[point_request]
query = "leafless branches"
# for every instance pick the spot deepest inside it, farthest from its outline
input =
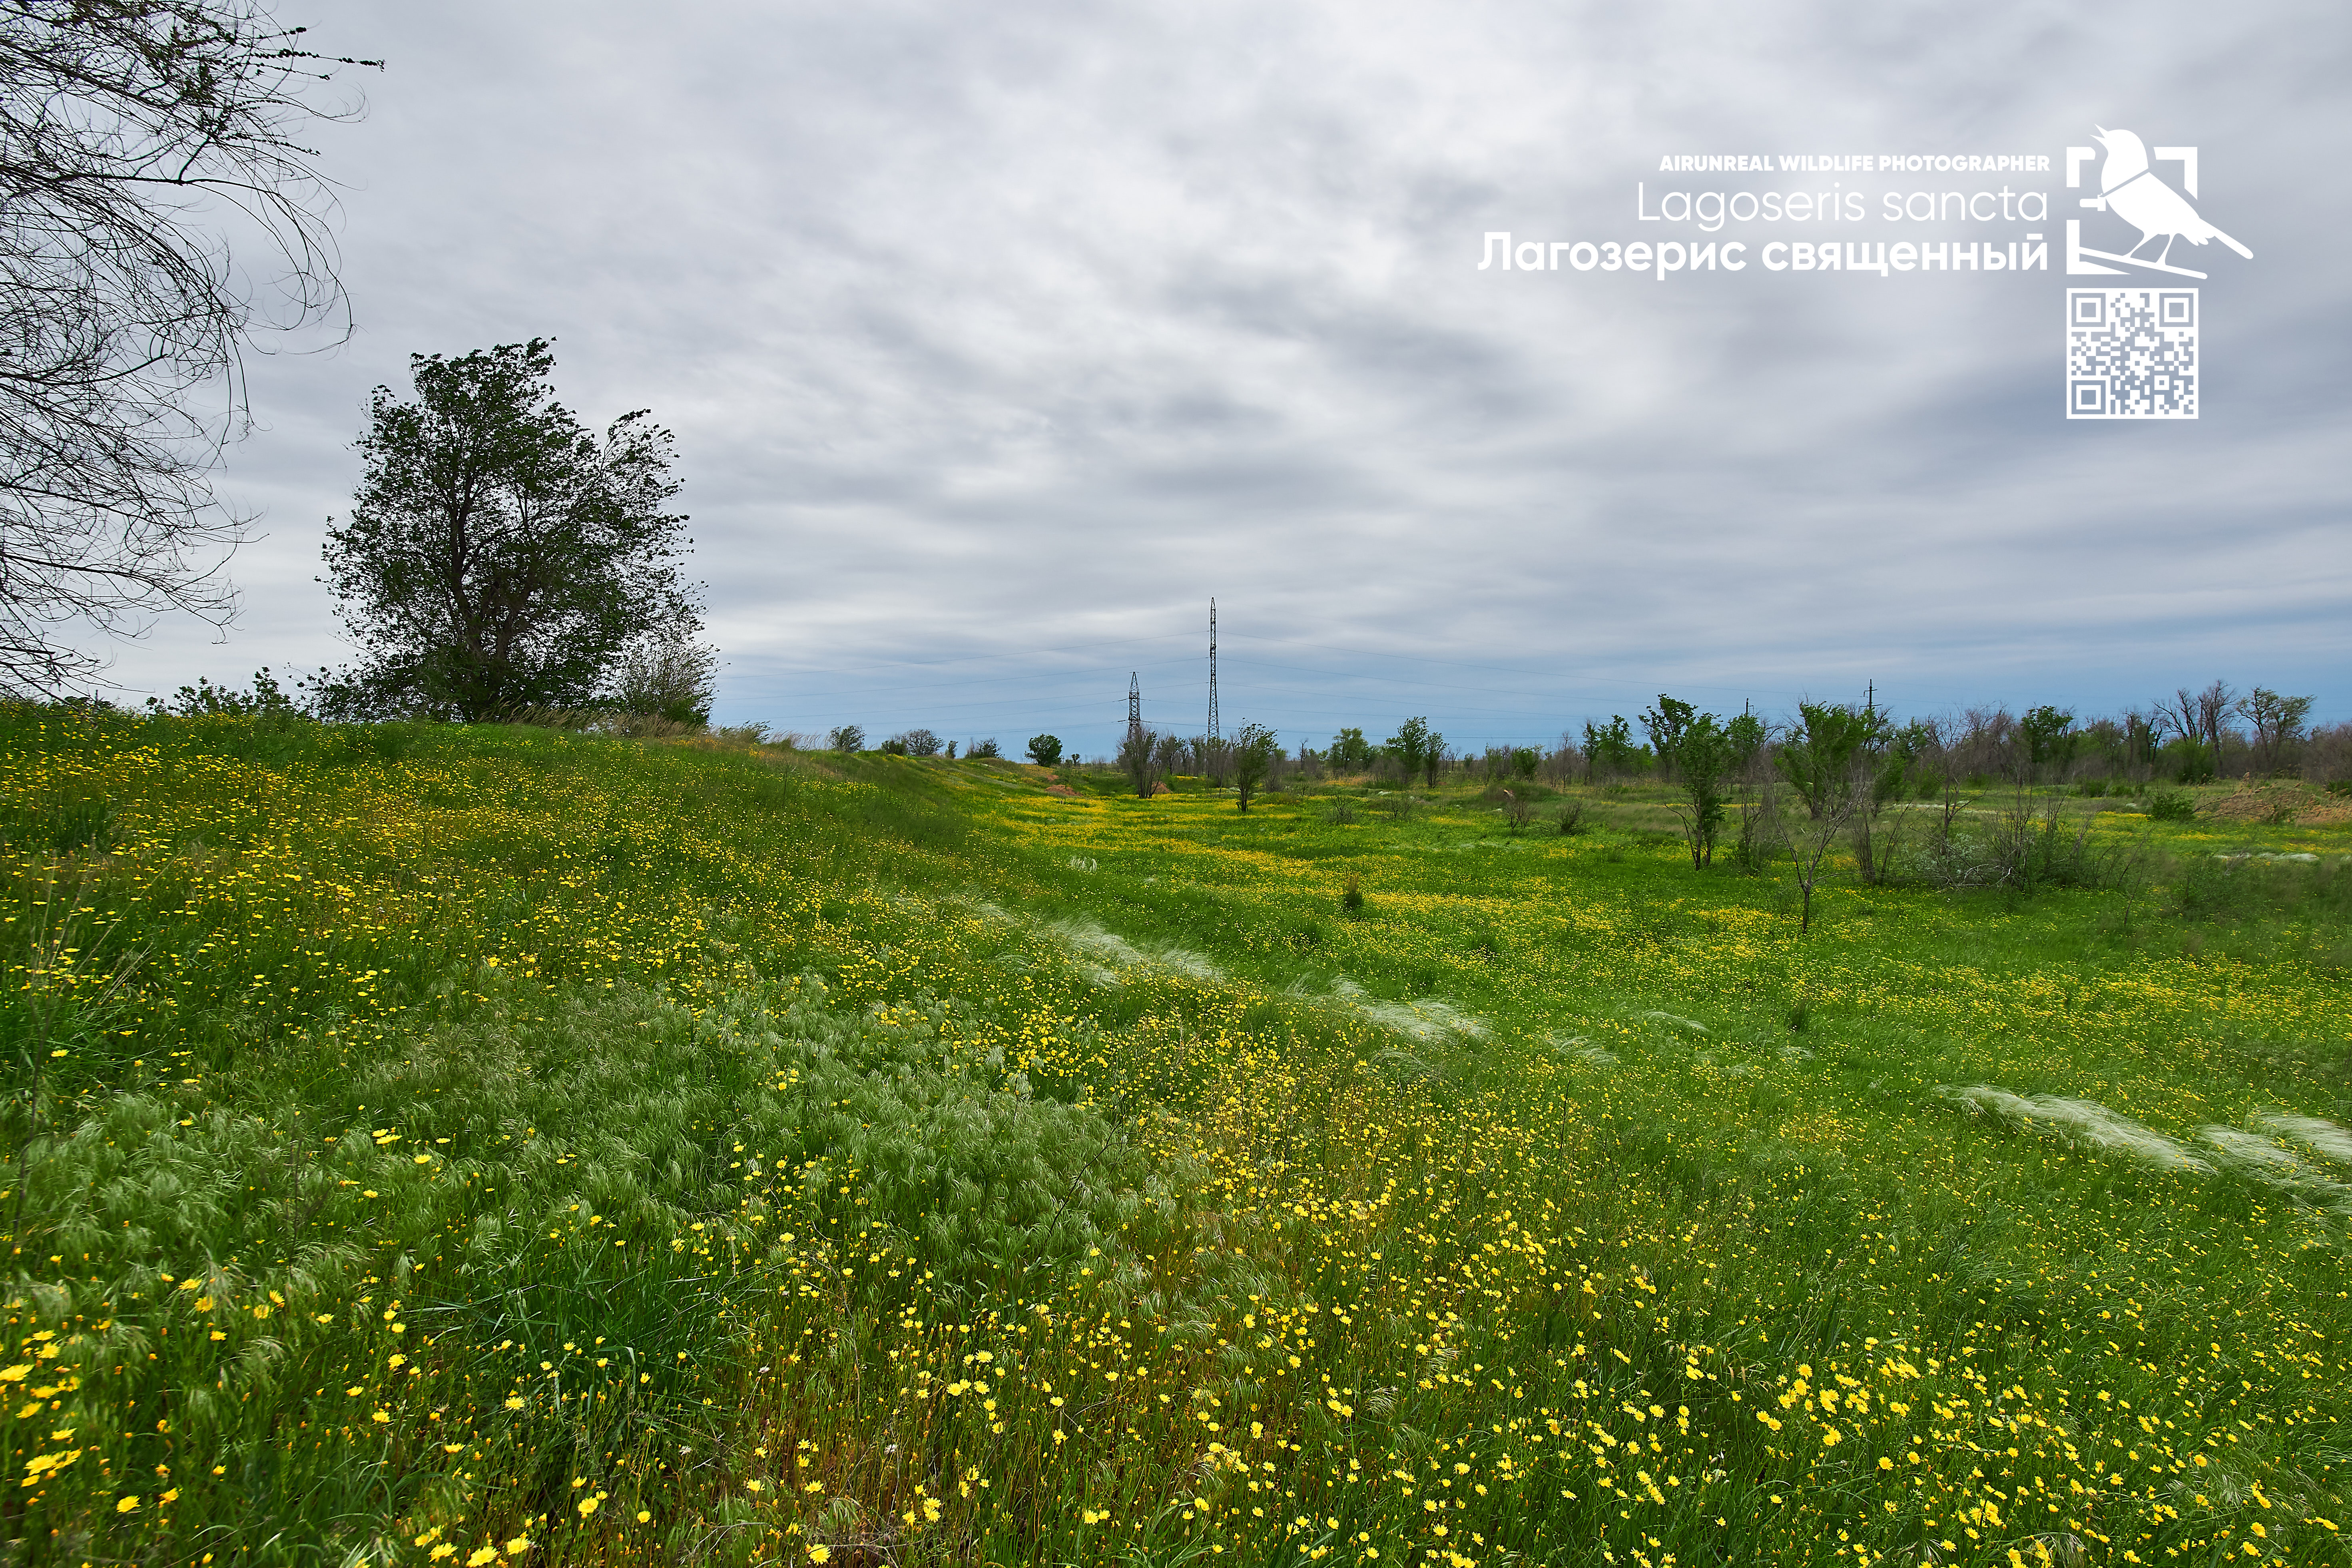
(137, 139)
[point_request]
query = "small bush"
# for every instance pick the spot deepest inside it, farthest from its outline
(2092, 789)
(1572, 818)
(1342, 813)
(2172, 806)
(982, 749)
(912, 744)
(1752, 850)
(206, 699)
(845, 738)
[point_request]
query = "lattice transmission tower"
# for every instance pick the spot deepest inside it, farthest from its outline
(1134, 709)
(1213, 670)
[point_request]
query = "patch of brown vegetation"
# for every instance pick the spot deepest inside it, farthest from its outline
(2282, 800)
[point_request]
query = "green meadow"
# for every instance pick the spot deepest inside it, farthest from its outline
(486, 1145)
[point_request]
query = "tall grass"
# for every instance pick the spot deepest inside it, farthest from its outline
(511, 1146)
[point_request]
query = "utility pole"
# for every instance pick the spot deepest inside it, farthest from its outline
(1213, 669)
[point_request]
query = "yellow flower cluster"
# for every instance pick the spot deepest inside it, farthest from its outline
(483, 1145)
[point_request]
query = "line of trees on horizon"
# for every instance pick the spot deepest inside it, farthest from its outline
(2191, 737)
(2218, 732)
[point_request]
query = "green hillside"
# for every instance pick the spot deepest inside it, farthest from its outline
(479, 1145)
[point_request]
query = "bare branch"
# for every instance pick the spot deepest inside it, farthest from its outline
(135, 136)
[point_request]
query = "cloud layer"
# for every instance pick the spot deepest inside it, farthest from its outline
(998, 340)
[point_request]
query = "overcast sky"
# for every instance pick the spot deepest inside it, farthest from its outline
(998, 339)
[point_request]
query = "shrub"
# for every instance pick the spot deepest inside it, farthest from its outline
(667, 675)
(206, 699)
(1572, 818)
(913, 744)
(983, 749)
(2092, 789)
(1045, 749)
(2172, 806)
(845, 738)
(2189, 761)
(2045, 855)
(1752, 850)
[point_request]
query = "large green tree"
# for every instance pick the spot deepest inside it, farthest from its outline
(1255, 748)
(1610, 751)
(1418, 749)
(1351, 752)
(1700, 752)
(1830, 756)
(1828, 753)
(1666, 723)
(2050, 738)
(499, 554)
(2278, 724)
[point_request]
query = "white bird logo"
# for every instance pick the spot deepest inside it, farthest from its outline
(2130, 189)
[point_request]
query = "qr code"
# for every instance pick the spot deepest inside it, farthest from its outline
(2131, 353)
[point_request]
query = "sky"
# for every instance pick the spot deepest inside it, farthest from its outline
(999, 339)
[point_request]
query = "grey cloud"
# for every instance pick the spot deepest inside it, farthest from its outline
(994, 331)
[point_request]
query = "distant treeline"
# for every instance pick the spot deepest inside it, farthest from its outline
(2192, 737)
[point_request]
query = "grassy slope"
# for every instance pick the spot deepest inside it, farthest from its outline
(782, 1159)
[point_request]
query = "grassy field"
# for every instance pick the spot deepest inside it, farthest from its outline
(490, 1145)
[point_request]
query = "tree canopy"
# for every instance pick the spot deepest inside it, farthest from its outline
(1700, 750)
(1254, 748)
(498, 555)
(1417, 748)
(1826, 755)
